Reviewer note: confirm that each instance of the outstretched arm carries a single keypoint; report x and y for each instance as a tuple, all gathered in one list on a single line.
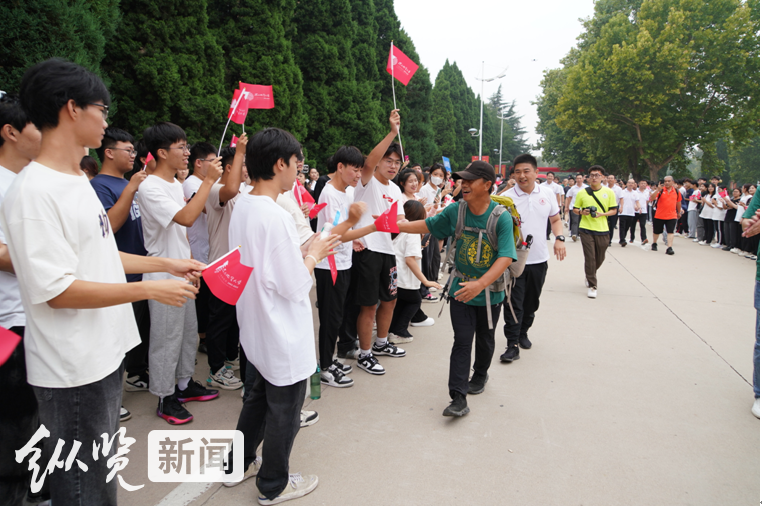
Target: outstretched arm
[(375, 156)]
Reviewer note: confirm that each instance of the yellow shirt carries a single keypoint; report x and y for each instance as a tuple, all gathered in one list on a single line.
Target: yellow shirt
[(598, 224)]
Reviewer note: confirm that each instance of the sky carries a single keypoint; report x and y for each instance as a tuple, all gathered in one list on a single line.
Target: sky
[(527, 37)]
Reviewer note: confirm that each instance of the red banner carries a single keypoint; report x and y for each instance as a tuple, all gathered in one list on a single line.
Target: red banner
[(387, 221), (259, 96), (404, 68), (475, 158), (238, 108), (8, 343), (227, 277)]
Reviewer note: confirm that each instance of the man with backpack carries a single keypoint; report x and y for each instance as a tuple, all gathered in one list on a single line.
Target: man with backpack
[(483, 239)]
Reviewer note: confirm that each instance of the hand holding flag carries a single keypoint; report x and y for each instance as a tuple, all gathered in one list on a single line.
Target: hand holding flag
[(149, 158), (234, 141), (227, 277), (387, 221)]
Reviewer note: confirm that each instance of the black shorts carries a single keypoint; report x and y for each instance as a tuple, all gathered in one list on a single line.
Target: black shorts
[(659, 225), (374, 277)]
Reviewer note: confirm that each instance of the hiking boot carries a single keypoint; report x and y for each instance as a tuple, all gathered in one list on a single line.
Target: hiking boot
[(476, 384), (458, 406), (195, 392), (511, 354), (224, 379), (137, 383), (524, 342), (171, 410), (298, 486)]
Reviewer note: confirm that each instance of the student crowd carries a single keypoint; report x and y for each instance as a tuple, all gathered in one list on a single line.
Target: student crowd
[(100, 270)]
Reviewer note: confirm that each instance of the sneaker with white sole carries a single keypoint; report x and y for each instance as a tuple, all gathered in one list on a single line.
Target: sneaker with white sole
[(430, 298), (702, 242), (125, 415), (574, 238), (334, 377), (137, 383), (427, 322), (307, 418), (587, 284), (370, 365), (715, 245), (343, 367), (224, 379), (592, 292), (734, 250), (298, 486), (251, 472), (388, 350), (399, 339), (755, 408), (233, 364)]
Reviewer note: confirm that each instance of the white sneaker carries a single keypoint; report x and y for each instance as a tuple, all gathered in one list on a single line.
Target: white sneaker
[(696, 240), (702, 242), (233, 364), (334, 377), (742, 254), (755, 408), (307, 418), (592, 293), (298, 486), (251, 472), (734, 250), (125, 415), (397, 339), (587, 284), (715, 246), (224, 379), (429, 322)]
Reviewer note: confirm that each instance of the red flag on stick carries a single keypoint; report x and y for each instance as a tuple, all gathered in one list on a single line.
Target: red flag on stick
[(404, 68), (387, 221), (315, 209), (259, 96), (302, 195), (237, 113), (227, 277), (234, 141), (8, 343)]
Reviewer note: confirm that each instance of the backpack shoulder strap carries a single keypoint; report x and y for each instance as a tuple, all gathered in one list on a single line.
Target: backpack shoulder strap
[(461, 224), (492, 224)]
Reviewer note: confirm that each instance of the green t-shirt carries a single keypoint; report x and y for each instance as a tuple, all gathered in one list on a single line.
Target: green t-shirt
[(597, 225), (443, 225), (749, 214)]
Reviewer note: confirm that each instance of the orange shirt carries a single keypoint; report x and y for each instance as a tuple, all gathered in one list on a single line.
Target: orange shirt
[(668, 201)]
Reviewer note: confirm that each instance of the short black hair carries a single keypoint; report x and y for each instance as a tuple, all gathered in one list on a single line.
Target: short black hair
[(393, 148), (199, 151), (525, 158), (162, 135), (227, 154), (48, 86), (643, 180), (347, 155), (266, 148), (715, 177), (11, 113), (111, 138), (596, 168), (436, 166), (414, 210)]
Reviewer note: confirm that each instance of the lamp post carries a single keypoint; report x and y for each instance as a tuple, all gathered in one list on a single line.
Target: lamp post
[(481, 104), (501, 117)]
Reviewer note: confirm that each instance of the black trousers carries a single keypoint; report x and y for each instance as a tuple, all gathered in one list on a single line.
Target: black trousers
[(720, 233), (222, 334), (467, 321), (136, 360), (202, 306), (735, 235), (525, 299), (626, 224), (408, 304), (331, 299), (640, 218), (348, 330), (270, 415), (612, 226), (708, 230)]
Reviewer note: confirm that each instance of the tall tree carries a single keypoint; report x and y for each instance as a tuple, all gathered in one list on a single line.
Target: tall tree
[(166, 65), (443, 116), (256, 38)]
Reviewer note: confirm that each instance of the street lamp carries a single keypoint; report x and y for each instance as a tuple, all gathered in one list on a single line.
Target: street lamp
[(501, 117), (481, 104)]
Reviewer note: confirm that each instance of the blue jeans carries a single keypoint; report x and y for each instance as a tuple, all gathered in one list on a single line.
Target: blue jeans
[(756, 344)]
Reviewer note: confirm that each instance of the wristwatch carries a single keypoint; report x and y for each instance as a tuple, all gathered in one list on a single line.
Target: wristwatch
[(561, 238)]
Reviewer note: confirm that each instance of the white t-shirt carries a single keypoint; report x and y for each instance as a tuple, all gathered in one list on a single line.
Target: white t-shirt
[(535, 209), (11, 308), (337, 202), (274, 312), (739, 211), (379, 198), (288, 203), (554, 188), (719, 211), (617, 192), (198, 233), (707, 211), (643, 197), (218, 220), (693, 205), (628, 200), (572, 193), (430, 194), (159, 202), (407, 245), (58, 232)]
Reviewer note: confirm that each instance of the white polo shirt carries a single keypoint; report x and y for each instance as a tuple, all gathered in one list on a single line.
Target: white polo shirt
[(643, 197), (628, 199), (535, 209)]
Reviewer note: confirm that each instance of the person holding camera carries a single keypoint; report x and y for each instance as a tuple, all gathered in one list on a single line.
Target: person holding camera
[(595, 204)]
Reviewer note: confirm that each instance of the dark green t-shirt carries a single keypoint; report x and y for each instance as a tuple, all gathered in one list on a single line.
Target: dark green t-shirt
[(443, 225), (749, 214)]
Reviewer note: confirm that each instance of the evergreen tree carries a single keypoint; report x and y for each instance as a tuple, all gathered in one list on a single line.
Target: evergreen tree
[(35, 31), (466, 110), (166, 65), (443, 117), (256, 38)]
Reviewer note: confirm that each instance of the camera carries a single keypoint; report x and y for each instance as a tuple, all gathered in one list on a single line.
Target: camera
[(593, 211)]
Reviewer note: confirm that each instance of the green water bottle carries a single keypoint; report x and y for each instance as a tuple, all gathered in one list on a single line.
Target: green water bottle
[(315, 384)]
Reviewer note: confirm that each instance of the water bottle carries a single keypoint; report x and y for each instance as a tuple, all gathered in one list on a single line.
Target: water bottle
[(315, 384)]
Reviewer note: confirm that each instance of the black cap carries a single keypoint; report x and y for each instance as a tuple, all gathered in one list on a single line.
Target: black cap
[(476, 170)]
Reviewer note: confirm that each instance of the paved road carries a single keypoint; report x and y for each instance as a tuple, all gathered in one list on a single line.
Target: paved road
[(640, 397)]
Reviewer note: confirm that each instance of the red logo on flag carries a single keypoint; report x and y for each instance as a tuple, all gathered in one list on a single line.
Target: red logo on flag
[(259, 96), (227, 277), (387, 221), (400, 66), (239, 106)]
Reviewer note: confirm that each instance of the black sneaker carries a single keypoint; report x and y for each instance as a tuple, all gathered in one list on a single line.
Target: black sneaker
[(202, 347), (370, 365), (511, 354), (623, 244), (137, 383), (195, 392), (458, 406), (524, 342), (335, 377), (654, 246), (171, 410), (670, 251), (388, 349), (344, 368), (476, 384), (124, 415)]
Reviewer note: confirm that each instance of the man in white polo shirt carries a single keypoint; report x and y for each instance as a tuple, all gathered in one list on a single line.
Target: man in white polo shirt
[(551, 184), (571, 195), (536, 205)]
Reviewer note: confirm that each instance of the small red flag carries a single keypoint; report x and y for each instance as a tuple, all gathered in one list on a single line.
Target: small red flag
[(332, 266), (404, 68), (227, 277), (8, 343), (315, 210), (234, 141), (302, 195), (259, 96), (238, 108), (149, 158), (387, 221)]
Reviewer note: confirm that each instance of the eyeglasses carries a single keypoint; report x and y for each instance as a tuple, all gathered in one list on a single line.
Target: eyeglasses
[(184, 148), (104, 109), (131, 151), (393, 163)]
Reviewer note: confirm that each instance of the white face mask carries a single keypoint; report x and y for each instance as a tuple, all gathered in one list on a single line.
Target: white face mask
[(436, 181)]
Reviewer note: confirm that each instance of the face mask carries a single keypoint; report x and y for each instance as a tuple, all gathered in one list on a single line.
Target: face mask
[(436, 181)]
